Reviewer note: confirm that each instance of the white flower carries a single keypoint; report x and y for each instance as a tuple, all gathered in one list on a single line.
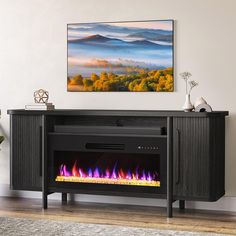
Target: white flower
[(185, 75), (192, 84)]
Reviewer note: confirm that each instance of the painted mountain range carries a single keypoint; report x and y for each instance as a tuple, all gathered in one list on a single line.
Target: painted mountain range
[(105, 42), (101, 56)]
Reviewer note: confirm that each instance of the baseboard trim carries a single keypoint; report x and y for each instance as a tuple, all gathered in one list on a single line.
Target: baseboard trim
[(226, 203)]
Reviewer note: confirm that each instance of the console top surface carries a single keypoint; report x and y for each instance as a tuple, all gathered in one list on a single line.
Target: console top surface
[(143, 113)]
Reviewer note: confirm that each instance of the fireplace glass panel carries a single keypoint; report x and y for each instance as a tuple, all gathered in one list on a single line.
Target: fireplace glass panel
[(107, 168)]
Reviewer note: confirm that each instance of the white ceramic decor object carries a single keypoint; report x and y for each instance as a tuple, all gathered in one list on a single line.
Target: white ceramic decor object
[(187, 105), (203, 108), (199, 100)]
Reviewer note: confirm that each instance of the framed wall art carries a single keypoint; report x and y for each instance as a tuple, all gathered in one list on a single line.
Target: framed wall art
[(120, 56)]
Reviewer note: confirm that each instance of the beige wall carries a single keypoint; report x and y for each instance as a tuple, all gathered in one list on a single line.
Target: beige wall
[(33, 55)]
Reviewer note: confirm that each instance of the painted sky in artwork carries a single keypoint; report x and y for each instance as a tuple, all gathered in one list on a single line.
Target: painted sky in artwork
[(94, 47)]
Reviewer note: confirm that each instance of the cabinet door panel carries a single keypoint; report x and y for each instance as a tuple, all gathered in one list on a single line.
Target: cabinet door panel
[(191, 158), (26, 152)]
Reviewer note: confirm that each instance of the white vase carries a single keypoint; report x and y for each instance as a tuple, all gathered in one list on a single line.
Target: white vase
[(188, 106)]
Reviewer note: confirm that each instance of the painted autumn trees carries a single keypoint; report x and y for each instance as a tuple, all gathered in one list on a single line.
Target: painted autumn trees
[(143, 81)]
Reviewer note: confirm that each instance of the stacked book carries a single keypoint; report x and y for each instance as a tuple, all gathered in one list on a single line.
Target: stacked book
[(40, 106)]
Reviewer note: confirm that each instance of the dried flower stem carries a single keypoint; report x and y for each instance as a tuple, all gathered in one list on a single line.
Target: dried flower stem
[(185, 76)]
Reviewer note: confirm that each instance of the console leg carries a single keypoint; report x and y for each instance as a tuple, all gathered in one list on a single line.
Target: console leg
[(169, 209), (45, 200), (181, 204), (44, 164), (169, 166), (64, 198)]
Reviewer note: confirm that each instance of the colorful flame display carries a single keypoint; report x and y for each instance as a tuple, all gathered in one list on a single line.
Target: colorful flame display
[(140, 177)]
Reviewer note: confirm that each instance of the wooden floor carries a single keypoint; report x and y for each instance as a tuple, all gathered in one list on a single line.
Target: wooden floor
[(152, 217)]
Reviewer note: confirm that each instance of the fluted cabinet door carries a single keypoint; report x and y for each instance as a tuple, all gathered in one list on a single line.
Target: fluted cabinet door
[(198, 158), (26, 152)]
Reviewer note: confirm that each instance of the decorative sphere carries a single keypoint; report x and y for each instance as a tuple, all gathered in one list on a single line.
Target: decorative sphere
[(41, 96)]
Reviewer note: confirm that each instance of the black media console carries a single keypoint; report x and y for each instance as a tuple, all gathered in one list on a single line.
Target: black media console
[(159, 154)]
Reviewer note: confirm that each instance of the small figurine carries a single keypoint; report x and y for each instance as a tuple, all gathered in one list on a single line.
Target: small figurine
[(41, 96)]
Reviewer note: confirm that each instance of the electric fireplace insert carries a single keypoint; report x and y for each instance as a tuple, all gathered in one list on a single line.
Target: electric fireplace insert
[(107, 163)]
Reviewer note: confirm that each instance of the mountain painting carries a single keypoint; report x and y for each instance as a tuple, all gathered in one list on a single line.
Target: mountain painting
[(120, 56)]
